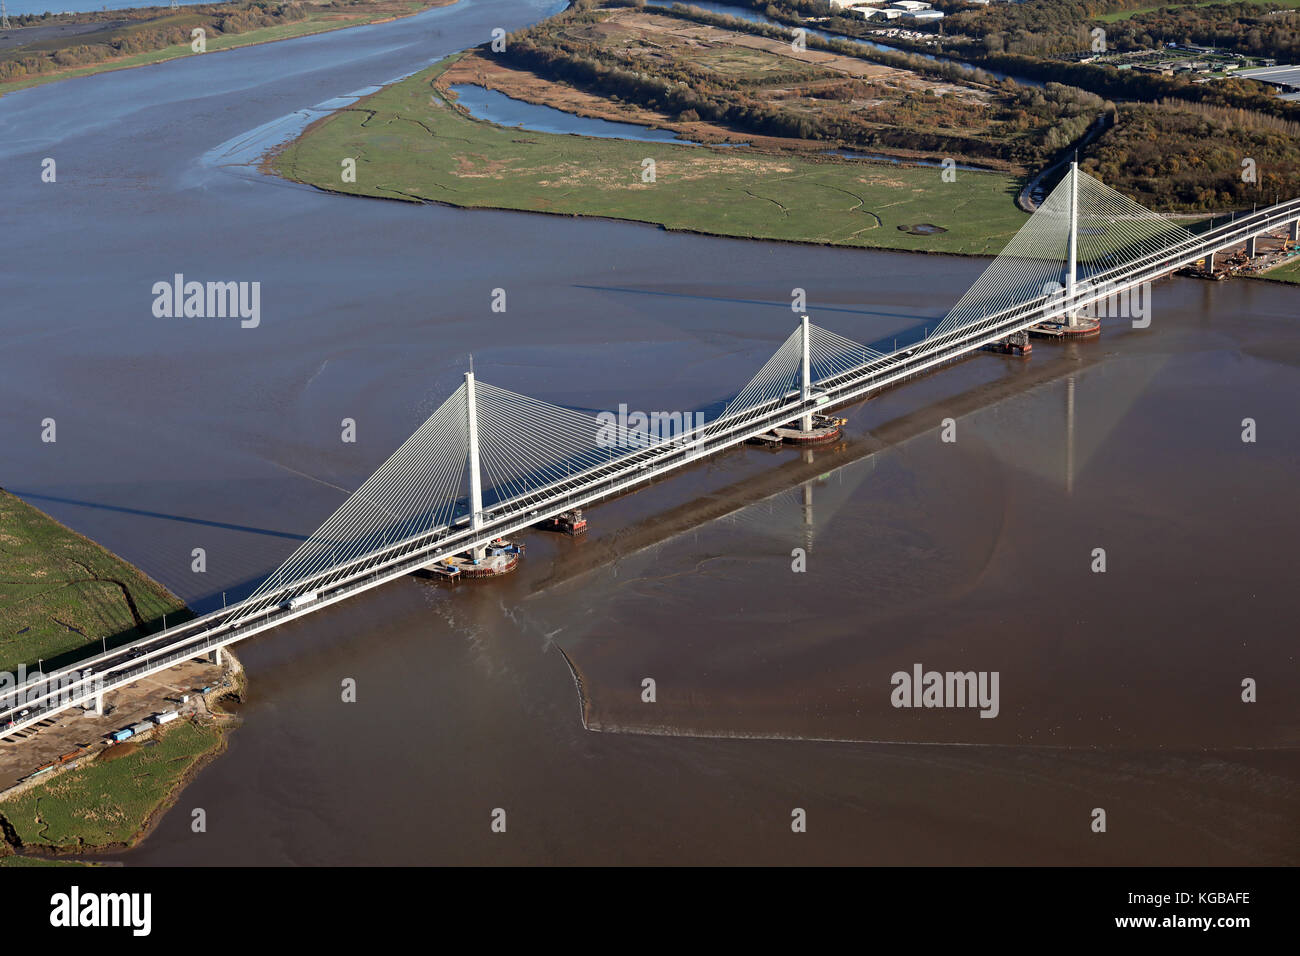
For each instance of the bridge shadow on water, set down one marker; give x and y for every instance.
(792, 472)
(224, 525)
(785, 304)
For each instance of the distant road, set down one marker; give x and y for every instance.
(1026, 200)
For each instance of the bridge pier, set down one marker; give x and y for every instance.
(1294, 232)
(99, 704)
(1252, 247)
(215, 655)
(1209, 263)
(810, 427)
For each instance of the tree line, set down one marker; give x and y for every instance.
(1007, 123)
(1054, 27)
(147, 33)
(1174, 155)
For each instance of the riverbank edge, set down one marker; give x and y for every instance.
(11, 845)
(727, 137)
(178, 604)
(183, 50)
(13, 849)
(270, 165)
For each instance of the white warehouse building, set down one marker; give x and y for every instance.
(926, 16)
(909, 6)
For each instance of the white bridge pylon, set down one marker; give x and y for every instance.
(536, 460)
(485, 448)
(488, 457)
(1082, 230)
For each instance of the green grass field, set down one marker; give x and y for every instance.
(410, 144)
(13, 861)
(1127, 14)
(60, 591)
(1287, 273)
(107, 802)
(315, 23)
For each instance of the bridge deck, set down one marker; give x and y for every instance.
(102, 672)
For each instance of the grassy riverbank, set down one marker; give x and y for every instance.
(411, 143)
(1287, 273)
(60, 592)
(56, 57)
(62, 595)
(113, 800)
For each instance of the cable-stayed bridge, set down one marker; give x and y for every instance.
(490, 462)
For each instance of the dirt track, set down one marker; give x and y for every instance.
(74, 728)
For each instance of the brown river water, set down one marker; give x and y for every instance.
(1118, 690)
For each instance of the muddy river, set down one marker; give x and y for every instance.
(1119, 690)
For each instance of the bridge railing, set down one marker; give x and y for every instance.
(599, 481)
(1009, 319)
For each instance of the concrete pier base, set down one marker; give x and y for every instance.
(1252, 247)
(490, 566)
(811, 429)
(499, 558)
(1294, 232)
(1062, 330)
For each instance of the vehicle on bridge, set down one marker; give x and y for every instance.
(300, 600)
(556, 463)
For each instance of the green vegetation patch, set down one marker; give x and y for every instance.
(1118, 15)
(900, 102)
(1287, 273)
(1185, 156)
(109, 801)
(60, 591)
(410, 143)
(131, 38)
(749, 65)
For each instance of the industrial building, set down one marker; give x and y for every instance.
(1285, 79)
